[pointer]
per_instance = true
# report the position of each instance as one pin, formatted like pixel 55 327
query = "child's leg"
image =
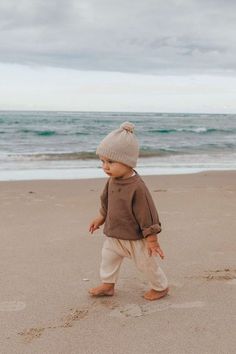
pixel 112 256
pixel 149 267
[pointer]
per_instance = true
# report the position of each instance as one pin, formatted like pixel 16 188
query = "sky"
pixel 126 55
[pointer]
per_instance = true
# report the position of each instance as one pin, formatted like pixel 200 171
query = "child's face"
pixel 115 169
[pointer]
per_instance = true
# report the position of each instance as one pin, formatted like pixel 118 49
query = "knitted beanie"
pixel 120 145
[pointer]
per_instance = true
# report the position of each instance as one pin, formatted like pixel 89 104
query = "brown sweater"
pixel 129 209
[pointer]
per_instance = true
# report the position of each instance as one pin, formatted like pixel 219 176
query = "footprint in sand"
pixel 32 333
pixel 74 315
pixel 134 310
pixel 225 274
pixel 220 274
pixel 9 306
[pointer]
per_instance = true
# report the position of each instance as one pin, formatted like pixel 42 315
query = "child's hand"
pixel 94 225
pixel 154 248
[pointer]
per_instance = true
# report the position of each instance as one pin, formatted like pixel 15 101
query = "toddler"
pixel 130 217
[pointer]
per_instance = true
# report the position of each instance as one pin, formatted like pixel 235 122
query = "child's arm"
pixel 96 223
pixel 147 217
pixel 153 246
pixel 100 219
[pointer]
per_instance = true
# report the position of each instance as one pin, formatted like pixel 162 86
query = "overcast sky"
pixel 135 55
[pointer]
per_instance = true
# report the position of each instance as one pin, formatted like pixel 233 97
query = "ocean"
pixel 61 145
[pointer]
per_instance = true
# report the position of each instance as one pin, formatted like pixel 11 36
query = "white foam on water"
pixel 87 173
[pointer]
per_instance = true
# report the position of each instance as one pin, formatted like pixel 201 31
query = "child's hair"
pixel 120 145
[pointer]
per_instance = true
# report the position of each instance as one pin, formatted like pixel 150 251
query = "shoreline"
pixel 84 174
pixel 162 181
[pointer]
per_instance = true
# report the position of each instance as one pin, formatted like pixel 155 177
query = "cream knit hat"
pixel 120 145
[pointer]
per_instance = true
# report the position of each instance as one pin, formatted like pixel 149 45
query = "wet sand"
pixel 48 261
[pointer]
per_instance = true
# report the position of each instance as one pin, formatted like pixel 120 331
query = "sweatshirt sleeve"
pixel 145 211
pixel 104 200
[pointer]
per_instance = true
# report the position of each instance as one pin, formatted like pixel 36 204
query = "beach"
pixel 49 261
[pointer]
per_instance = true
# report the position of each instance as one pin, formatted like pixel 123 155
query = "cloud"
pixel 46 88
pixel 151 36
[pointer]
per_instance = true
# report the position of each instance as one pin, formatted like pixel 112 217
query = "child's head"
pixel 120 146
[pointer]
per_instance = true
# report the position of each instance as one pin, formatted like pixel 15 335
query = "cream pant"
pixel 113 252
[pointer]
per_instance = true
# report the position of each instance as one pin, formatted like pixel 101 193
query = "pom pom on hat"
pixel 128 126
pixel 121 145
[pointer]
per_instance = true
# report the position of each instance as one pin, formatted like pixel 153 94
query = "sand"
pixel 48 261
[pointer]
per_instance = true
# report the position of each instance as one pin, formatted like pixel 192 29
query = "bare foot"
pixel 155 295
pixel 106 289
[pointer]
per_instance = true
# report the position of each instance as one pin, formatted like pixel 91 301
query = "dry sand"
pixel 48 261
